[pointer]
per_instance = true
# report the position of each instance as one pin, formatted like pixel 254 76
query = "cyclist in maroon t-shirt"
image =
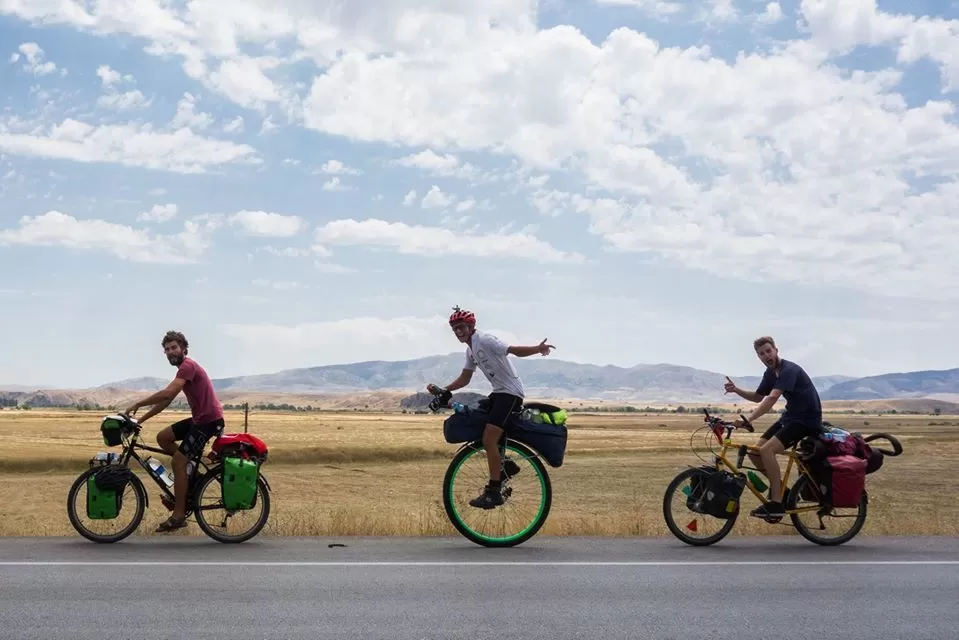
pixel 205 422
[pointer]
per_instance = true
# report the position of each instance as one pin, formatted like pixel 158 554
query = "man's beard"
pixel 176 361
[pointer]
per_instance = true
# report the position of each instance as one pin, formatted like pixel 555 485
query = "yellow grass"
pixel 381 474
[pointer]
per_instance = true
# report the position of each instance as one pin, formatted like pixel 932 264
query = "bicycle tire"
pixel 672 525
pixel 793 498
pixel 141 503
pixel 263 494
pixel 476 448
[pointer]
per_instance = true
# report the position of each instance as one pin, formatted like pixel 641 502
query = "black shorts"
pixel 195 436
pixel 501 405
pixel 789 431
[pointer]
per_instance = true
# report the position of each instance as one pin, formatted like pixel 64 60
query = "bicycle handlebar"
pixel 716 421
pixel 441 398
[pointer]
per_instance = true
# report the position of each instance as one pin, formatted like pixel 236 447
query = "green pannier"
pixel 239 483
pixel 102 504
pixel 112 430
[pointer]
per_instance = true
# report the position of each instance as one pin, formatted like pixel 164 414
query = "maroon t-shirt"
pixel 199 392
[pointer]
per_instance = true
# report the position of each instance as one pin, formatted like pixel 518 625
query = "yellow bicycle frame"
pixel 744 449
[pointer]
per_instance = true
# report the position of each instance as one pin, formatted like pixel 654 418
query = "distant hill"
pixel 544 378
pixel 914 384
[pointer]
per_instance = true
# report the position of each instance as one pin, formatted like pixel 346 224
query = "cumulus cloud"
pixel 776 164
pixel 57 229
pixel 439 241
pixel 33 60
pixel 268 224
pixel 179 151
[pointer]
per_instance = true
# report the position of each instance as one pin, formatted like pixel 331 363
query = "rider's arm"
pixel 464 379
pixel 765 405
pixel 160 400
pixel 752 396
pixel 522 352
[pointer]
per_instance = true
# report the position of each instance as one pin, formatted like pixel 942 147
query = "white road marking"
pixel 468 563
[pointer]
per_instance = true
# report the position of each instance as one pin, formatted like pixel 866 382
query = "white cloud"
pixel 234 126
pixel 267 224
pixel 180 151
pixel 334 184
pixel 337 168
pixel 33 60
pixel 187 115
pixel 124 101
pixel 772 14
pixel 439 241
pixel 657 7
pixel 441 165
pixel 696 150
pixel 56 229
pixel 436 199
pixel 243 80
pixel 159 213
pixel 409 198
pixel 110 77
pixel 112 99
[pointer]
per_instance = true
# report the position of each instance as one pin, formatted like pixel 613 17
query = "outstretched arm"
pixel 522 352
pixel 159 400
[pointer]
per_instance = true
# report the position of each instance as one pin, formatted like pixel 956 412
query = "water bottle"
pixel 756 481
pixel 459 407
pixel 107 457
pixel 160 471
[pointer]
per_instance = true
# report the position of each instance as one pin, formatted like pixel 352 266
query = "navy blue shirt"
pixel 802 399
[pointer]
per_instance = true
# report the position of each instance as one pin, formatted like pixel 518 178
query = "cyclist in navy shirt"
pixel 802 417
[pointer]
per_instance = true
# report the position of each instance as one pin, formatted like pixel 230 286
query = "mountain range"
pixel 544 378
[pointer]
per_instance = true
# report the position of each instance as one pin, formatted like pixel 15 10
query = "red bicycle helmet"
pixel 462 315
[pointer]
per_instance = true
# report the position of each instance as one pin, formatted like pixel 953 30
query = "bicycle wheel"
pixel 696 522
pixel 810 507
pixel 528 496
pixel 119 531
pixel 212 484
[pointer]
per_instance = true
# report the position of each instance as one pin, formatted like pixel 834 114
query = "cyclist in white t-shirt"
pixel 491 355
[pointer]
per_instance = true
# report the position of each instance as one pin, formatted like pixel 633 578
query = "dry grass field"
pixel 381 474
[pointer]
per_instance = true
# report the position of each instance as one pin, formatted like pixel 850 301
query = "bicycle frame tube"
pixel 130 452
pixel 744 449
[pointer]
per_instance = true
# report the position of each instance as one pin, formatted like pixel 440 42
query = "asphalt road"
pixel 871 588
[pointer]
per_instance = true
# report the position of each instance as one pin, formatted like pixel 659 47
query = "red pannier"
pixel 243 445
pixel 842 480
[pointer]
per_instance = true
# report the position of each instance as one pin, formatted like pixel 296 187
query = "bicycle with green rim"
pixel 536 433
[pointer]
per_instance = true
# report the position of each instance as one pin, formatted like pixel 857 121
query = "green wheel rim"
pixel 499 539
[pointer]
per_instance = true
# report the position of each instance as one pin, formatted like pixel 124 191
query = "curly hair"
pixel 758 342
pixel 175 336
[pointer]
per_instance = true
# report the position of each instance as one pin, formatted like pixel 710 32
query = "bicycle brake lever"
pixel 747 425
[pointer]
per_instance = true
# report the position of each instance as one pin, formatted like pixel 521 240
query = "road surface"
pixel 445 588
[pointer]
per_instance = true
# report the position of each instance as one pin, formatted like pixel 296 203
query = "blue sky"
pixel 639 181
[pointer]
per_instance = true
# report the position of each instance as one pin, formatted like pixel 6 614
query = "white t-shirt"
pixel 489 353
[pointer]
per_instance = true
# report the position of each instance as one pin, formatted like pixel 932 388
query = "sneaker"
pixel 769 511
pixel 488 499
pixel 510 467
